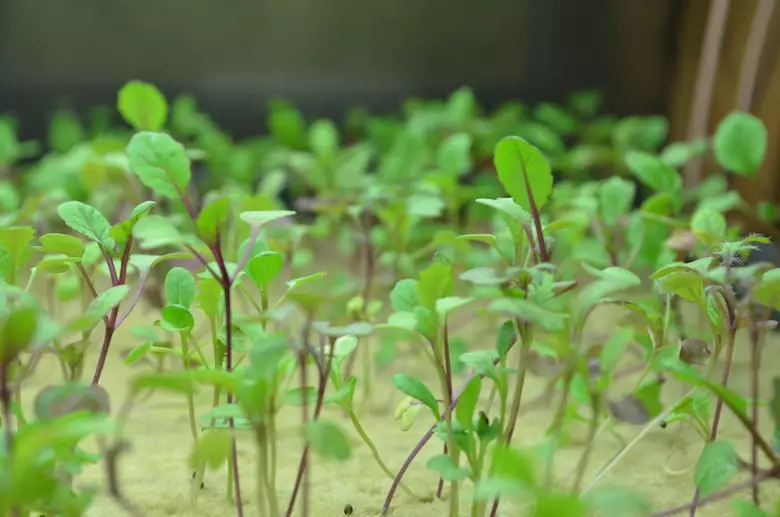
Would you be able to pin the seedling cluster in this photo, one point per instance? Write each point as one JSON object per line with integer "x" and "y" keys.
{"x": 296, "y": 271}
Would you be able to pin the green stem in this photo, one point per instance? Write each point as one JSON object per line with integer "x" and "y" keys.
{"x": 375, "y": 453}
{"x": 185, "y": 359}
{"x": 262, "y": 469}
{"x": 592, "y": 431}
{"x": 649, "y": 427}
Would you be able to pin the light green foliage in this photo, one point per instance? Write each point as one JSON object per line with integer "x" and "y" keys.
{"x": 143, "y": 106}
{"x": 328, "y": 439}
{"x": 180, "y": 287}
{"x": 716, "y": 466}
{"x": 740, "y": 143}
{"x": 524, "y": 172}
{"x": 87, "y": 221}
{"x": 412, "y": 387}
{"x": 160, "y": 163}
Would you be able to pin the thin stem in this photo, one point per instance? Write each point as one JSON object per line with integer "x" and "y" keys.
{"x": 592, "y": 432}
{"x": 324, "y": 371}
{"x": 719, "y": 404}
{"x": 774, "y": 472}
{"x": 648, "y": 427}
{"x": 755, "y": 365}
{"x": 452, "y": 445}
{"x": 5, "y": 400}
{"x": 229, "y": 368}
{"x": 375, "y": 452}
{"x": 518, "y": 396}
{"x": 185, "y": 359}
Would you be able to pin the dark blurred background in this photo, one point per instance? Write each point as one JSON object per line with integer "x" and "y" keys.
{"x": 329, "y": 55}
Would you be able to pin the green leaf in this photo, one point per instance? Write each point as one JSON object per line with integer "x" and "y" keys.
{"x": 142, "y": 106}
{"x": 328, "y": 439}
{"x": 618, "y": 501}
{"x": 411, "y": 387}
{"x": 613, "y": 349}
{"x": 17, "y": 333}
{"x": 99, "y": 307}
{"x": 446, "y": 468}
{"x": 15, "y": 240}
{"x": 264, "y": 267}
{"x": 324, "y": 138}
{"x": 262, "y": 217}
{"x": 160, "y": 162}
{"x": 405, "y": 295}
{"x": 524, "y": 172}
{"x": 122, "y": 231}
{"x": 62, "y": 244}
{"x": 774, "y": 403}
{"x": 747, "y": 509}
{"x": 138, "y": 353}
{"x": 507, "y": 206}
{"x": 467, "y": 403}
{"x": 176, "y": 318}
{"x": 180, "y": 287}
{"x": 616, "y": 199}
{"x": 555, "y": 504}
{"x": 654, "y": 172}
{"x": 450, "y": 303}
{"x": 740, "y": 143}
{"x": 435, "y": 282}
{"x": 686, "y": 284}
{"x": 530, "y": 312}
{"x": 176, "y": 382}
{"x": 86, "y": 220}
{"x": 212, "y": 450}
{"x": 709, "y": 226}
{"x": 156, "y": 231}
{"x": 715, "y": 467}
{"x": 212, "y": 218}
{"x": 454, "y": 154}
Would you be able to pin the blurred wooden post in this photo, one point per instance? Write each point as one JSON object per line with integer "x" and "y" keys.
{"x": 732, "y": 86}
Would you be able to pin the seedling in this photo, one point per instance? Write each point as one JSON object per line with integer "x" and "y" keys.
{"x": 411, "y": 231}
